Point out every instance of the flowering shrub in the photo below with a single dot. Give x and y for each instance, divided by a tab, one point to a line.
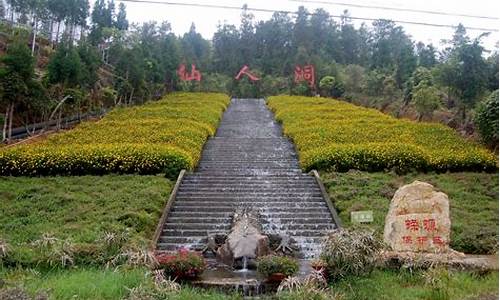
184	264
164	136
337	135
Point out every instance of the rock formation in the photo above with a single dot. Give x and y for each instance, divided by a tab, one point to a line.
418	220
245	241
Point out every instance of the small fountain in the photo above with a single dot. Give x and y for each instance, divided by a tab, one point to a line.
245	242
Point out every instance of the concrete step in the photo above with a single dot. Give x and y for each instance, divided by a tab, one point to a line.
190	233
247	194
255	204
266	215
236	199
203	207
221	220
227	226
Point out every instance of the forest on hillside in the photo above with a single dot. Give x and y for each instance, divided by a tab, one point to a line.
60	58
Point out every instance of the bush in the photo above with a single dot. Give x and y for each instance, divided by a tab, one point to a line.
164	136
183	265
330	86
336	135
350	252
271	264
486	120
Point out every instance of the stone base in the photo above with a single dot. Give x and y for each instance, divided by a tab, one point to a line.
452	259
249	283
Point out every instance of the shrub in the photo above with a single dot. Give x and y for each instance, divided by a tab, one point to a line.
350	252
271	264
164	136
337	135
183	265
486	120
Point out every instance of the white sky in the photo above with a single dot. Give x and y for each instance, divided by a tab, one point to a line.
206	19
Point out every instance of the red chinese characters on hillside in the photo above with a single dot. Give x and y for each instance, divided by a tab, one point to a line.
184	75
305	73
246	71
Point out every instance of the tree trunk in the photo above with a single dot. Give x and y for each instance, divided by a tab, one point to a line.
131	95
4	130
11	114
57	32
35	29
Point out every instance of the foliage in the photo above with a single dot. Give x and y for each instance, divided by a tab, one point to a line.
183	265
164	136
426	100
331	86
350	252
473	202
331	134
271	264
486	120
65	67
87	220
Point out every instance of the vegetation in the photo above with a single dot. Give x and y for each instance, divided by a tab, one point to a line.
89	283
336	135
272	264
81	67
350	252
473	202
164	136
85	220
487	120
182	265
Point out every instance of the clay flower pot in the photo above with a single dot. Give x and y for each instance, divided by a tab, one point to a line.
276	277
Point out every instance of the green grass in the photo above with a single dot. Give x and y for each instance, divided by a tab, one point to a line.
89	283
403	285
80	208
473	202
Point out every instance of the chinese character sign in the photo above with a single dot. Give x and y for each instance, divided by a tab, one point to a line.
246	71
305	73
184	75
418	220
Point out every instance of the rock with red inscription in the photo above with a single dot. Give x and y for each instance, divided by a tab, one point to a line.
418	220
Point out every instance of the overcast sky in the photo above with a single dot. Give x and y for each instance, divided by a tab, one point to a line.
206	19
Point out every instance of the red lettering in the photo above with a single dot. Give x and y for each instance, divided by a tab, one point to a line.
430	224
246	71
305	74
412	225
407	239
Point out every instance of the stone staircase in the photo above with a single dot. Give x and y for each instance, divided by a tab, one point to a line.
248	164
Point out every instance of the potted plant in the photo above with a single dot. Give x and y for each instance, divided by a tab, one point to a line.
182	265
276	268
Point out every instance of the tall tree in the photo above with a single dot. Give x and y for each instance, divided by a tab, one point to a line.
121	18
16	76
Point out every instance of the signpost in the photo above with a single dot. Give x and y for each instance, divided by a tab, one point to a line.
364	216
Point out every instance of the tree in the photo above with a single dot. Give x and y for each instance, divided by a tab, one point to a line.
465	73
426	55
331	86
426	99
121	18
15	76
65	67
486	120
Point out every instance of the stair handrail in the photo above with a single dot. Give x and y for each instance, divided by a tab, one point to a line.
166	210
327	199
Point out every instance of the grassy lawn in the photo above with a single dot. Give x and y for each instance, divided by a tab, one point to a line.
473	202
90	283
79	209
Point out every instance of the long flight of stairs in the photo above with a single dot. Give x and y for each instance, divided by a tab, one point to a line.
248	164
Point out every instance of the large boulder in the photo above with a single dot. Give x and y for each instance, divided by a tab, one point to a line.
245	241
418	220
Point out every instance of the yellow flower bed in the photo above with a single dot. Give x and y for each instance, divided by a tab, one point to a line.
331	134
163	136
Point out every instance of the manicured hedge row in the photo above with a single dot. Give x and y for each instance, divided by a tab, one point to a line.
337	135
163	136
